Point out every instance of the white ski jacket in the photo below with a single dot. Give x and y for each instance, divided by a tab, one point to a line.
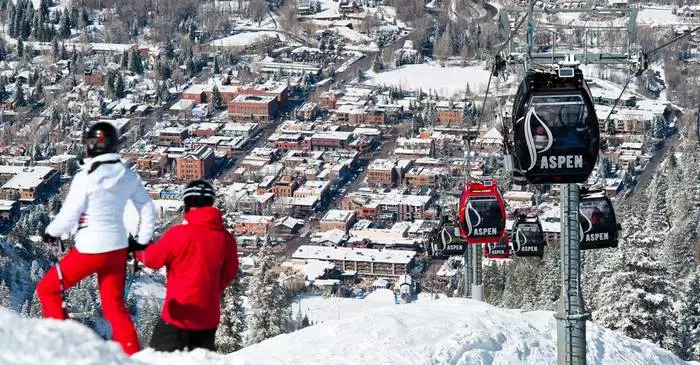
95	203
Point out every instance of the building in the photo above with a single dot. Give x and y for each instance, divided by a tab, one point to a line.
403	207
338	219
285	186
201	93
253	107
307	111
277	91
330	141
258	225
449	112
9	212
27	183
364	261
425	177
171	136
382	172
197	164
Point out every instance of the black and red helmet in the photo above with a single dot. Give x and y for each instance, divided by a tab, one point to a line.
101	138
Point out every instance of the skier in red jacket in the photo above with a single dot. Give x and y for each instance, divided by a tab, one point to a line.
201	260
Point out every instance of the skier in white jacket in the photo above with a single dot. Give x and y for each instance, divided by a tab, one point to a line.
95	204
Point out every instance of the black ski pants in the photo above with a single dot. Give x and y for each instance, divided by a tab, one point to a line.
168	338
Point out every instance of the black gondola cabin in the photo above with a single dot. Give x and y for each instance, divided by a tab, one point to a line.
555	128
599	227
527	237
498	250
482	215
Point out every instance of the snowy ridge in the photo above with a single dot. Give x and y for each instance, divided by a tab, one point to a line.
445	331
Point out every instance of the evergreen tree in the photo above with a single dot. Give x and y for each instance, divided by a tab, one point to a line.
64	25
689	319
657	219
124	61
20	100
119	85
20	48
229	335
269	311
85	17
636	299
134	63
216	98
217	69
164	93
109	84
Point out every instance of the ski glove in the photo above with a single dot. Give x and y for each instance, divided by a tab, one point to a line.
134	245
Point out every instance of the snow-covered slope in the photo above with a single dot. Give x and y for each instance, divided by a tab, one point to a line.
446	331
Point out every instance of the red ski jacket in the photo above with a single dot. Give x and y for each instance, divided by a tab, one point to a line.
201	259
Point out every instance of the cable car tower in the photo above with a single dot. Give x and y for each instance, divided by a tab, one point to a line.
556	136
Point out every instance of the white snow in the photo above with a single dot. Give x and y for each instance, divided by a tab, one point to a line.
444	331
446	81
246	38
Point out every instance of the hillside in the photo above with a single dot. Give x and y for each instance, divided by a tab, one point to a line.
454	331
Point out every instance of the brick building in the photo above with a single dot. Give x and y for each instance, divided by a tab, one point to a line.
253	107
197	164
364	261
338	219
171	136
382	172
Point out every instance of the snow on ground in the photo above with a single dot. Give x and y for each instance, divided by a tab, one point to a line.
245	38
445	331
446	81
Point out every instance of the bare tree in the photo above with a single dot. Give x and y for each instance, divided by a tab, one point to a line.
288	16
257	10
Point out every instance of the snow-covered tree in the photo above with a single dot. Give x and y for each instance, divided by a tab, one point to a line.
689	319
656	217
148	316
636	299
269	315
548	282
229	335
5	296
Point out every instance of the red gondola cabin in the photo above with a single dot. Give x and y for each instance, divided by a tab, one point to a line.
482	215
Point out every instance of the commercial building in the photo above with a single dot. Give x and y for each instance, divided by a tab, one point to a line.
197	164
364	261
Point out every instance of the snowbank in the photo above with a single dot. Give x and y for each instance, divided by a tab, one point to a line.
454	331
446	331
33	341
446	81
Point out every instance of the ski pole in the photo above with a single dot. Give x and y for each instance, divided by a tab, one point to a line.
61	285
131	277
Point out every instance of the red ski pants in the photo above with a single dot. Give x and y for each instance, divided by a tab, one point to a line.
110	268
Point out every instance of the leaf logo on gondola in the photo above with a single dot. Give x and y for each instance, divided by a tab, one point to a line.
468	218
582	232
444	234
531	141
518	242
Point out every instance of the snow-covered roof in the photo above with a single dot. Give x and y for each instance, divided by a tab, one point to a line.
354	254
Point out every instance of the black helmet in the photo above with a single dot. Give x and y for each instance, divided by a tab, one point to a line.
198	193
101	138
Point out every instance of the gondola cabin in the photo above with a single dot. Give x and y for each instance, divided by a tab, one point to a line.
498	250
446	241
556	136
527	238
482	215
599	227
